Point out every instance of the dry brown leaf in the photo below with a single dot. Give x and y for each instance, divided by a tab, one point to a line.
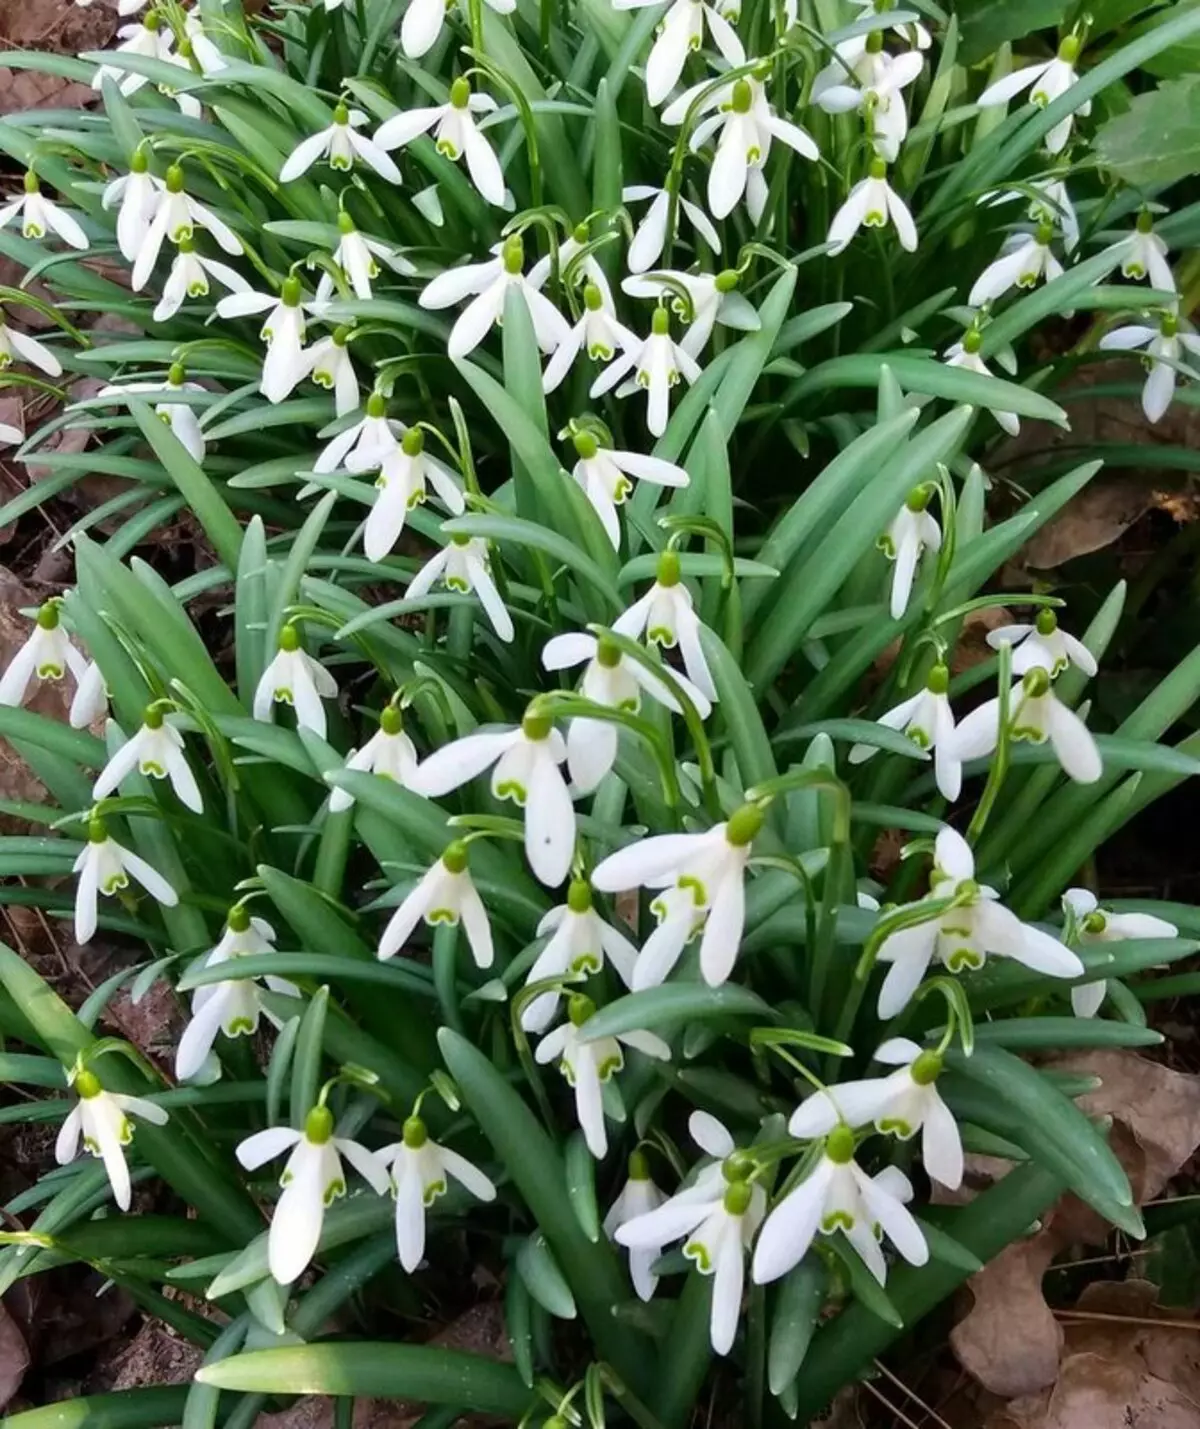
1099	1392
1102	512
1009	1340
14	1357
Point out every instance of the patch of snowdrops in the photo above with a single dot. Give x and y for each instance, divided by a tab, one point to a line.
591	413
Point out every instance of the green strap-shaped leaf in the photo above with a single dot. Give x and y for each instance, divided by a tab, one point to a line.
793	1320
123	1409
671	1004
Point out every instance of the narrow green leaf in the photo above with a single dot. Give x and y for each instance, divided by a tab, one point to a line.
793	1320
1055	1033
581	1184
672	1003
543	1279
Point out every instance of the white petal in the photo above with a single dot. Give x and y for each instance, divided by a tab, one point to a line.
459	762
855	1103
476	926
723	930
711	1135
410	1199
1088	998
264	1146
1073	743
639	863
789	1229
467	1174
296	1224
561	652
726	1294
941	1144
1012	84
304	156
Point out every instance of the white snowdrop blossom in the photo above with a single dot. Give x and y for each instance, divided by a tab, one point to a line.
965	355
710	865
340	145
713	298
404	472
47	654
455	135
580	942
1144	255
606	477
179	416
389	754
1102	925
1047	81
177	216
637	1197
525	763
208	56
16	346
150	39
866	79
104	867
901	1104
838	1195
312	1180
1044	645
667	617
1024	261
445	894
912	32
40	216
680	33
91	698
650	236
487	284
294	678
359	258
423	21
679	919
420	1172
1035	714
366	442
100	1120
284	329
657	364
588	1064
1047	201
1162	346
598	332
913	532
871	203
462	565
928	721
155	751
962	937
332	369
10	436
188	278
586	270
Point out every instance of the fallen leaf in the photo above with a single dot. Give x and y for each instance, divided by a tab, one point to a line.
14	1357
1010	1340
1102	512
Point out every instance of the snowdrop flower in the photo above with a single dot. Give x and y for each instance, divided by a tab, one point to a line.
1163	346
40	216
462	565
100	1120
91	698
490	282
1021	264
104	866
294	678
606	477
579	943
359	258
912	532
678	921
651	234
1102	925
837	1195
423	21
400	486
20	347
965	355
177	216
366	442
312	1180
1144	255
868	80
179	416
666	615
912	32
456	136
421	1170
340	145
1048	81
149	38
680	33
526	770
124	7
389	753
871	202
1051	203
657	365
710	865
901	1104
638	1197
283	331
333	370
613	680
714	298
598	333
208	56
1044	645
962	937
47	654
156	751
587	1065
445	894
1035	714
928	721
188	278
587	270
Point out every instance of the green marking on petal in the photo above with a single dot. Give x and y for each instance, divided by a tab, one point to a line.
965	960
609	1065
113	883
441	915
837	1220
434	1190
335	1190
50	671
511	789
697	1253
895	1126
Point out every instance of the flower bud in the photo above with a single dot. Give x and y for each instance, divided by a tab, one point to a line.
47	616
391	721
176	375
289	293
32	186
376	405
289	638
152	718
593	298
513	254
738	1197
174	179
743	97
937	682
97	830
639	1166
877	168
737	1166
341	114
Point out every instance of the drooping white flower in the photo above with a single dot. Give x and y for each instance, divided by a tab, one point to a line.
866	79
283	330
400	485
912	32
100	1120
489	283
188	278
445	894
680	33
1163	346
1044	645
615	681
666	615
1036	714
366	442
587	1065
713	298
710	865
312	1180
580	942
657	364
606	477
91	698
420	1171
964	354
1024	261
423	21
901	1104
1144	255
586	270
10	436
872	202
462	565
837	1195
46	655
208	56
598	332
912	532
177	216
156	751
962	937
679	919
389	753
340	144
1102	925
104	866
294	678
333	369
359	258
928	721
456	136
150	38
179	416
650	236
1047	80
18	346
40	215
1047	201
638	1197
